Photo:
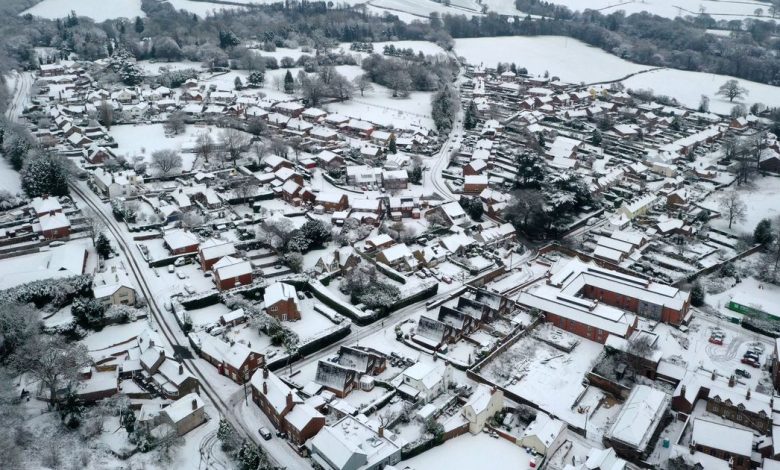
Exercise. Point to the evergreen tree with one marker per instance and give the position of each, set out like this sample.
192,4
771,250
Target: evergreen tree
127,419
763,232
697,295
289,83
248,457
470,121
139,25
255,79
596,138
391,146
45,175
238,84
103,245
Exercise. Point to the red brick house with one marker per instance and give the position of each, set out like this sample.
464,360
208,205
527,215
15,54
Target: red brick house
475,167
213,250
332,202
281,302
284,408
180,242
236,361
475,184
230,272
55,226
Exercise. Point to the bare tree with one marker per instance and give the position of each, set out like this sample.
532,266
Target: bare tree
732,206
175,124
190,220
204,146
731,89
279,148
53,361
94,224
106,114
234,142
363,83
166,161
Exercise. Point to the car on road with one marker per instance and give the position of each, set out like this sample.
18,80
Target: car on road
265,433
742,373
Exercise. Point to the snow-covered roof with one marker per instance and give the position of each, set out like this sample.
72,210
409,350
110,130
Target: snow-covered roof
54,221
427,373
215,249
351,440
640,416
396,252
276,390
480,399
545,429
183,407
229,267
45,205
279,292
68,258
301,415
721,437
178,238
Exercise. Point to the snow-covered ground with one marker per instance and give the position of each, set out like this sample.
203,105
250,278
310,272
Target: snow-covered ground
687,88
471,452
760,198
203,8
98,10
9,178
143,139
410,10
720,10
34,267
570,60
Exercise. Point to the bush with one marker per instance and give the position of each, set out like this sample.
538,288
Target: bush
89,313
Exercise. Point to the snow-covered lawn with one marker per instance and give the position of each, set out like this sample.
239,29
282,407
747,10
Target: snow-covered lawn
720,10
9,178
145,139
207,315
379,106
98,10
570,60
761,199
154,68
480,452
687,88
114,334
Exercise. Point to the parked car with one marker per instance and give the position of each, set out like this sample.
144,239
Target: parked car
751,355
717,338
265,433
742,373
171,268
447,279
751,362
180,262
181,275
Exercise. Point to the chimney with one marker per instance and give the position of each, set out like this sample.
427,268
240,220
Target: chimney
289,399
732,380
747,395
181,368
265,388
381,431
162,354
714,374
265,372
194,404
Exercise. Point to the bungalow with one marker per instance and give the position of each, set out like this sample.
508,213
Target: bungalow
359,128
314,115
230,272
381,138
475,184
336,120
289,108
96,154
323,134
360,175
281,302
379,242
181,241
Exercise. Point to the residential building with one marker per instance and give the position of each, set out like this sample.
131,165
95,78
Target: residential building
353,443
281,302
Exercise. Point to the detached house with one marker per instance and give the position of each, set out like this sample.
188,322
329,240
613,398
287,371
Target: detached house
281,302
230,272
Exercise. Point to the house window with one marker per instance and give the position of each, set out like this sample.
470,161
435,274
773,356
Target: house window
284,317
273,308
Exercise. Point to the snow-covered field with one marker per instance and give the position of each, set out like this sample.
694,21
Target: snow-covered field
761,199
687,88
570,60
472,452
421,9
725,10
144,139
203,8
98,10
